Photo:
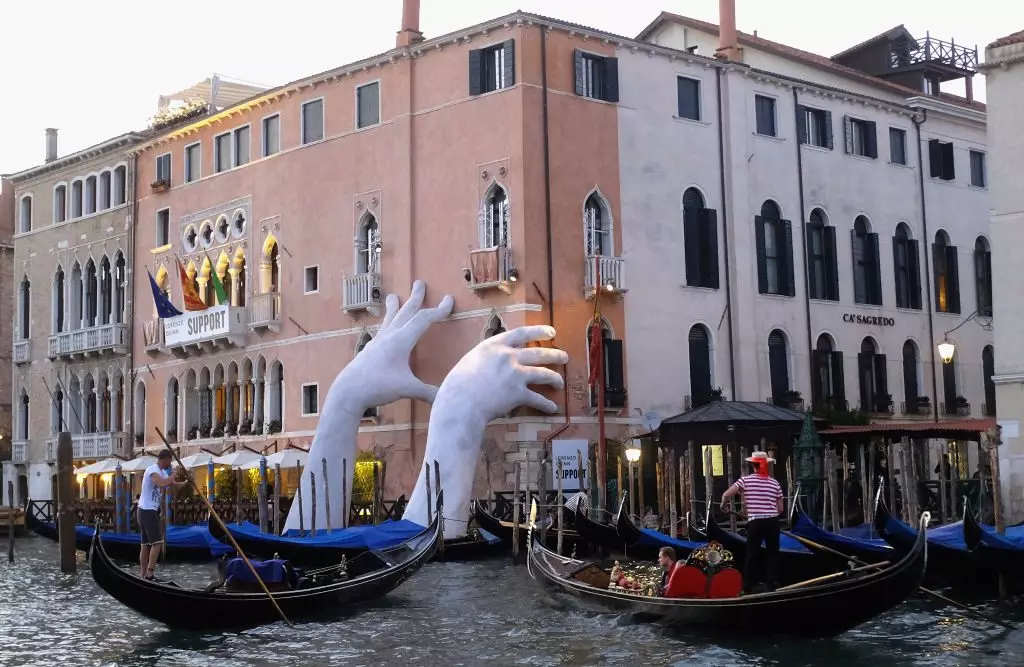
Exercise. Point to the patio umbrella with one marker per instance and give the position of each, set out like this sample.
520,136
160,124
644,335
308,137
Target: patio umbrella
198,460
100,467
287,458
238,458
138,465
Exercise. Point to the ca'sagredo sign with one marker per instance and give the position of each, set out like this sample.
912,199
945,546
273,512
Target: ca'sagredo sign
196,326
568,452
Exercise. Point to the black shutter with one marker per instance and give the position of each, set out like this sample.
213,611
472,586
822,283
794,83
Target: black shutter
831,265
934,158
613,368
581,80
948,165
476,77
838,377
611,79
700,367
881,378
914,269
896,274
910,390
812,271
848,134
949,386
709,246
874,270
828,129
801,124
819,360
787,284
762,264
870,139
859,277
691,246
510,62
938,258
864,377
952,280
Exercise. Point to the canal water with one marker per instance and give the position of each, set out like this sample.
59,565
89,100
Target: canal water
447,615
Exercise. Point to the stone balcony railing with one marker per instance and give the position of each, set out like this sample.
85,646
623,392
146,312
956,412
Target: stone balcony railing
361,291
19,451
92,340
93,445
612,278
22,352
265,311
491,268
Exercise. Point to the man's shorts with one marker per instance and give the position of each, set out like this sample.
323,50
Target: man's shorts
149,527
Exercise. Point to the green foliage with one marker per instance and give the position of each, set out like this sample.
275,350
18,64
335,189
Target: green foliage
842,417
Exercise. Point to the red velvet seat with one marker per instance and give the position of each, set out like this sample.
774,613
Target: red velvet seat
686,581
727,583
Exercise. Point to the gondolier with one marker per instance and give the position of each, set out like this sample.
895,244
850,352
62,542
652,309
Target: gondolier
762,499
156,478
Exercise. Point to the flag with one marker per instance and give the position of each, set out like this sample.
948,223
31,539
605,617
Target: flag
189,297
596,337
218,286
164,307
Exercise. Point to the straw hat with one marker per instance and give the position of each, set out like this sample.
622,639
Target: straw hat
758,457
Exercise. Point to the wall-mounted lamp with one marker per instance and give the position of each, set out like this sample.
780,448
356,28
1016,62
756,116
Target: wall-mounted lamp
513,275
609,285
467,275
946,350
633,451
377,247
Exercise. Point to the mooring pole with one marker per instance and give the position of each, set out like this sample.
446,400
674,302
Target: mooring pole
262,496
561,509
516,513
277,498
344,493
65,506
327,495
10,522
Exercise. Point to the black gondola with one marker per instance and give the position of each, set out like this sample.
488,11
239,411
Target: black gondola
645,544
504,529
380,572
994,551
824,609
601,535
869,551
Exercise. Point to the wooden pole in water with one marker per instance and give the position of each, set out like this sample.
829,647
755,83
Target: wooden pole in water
943,470
981,476
515,513
561,508
846,482
635,509
683,477
659,482
865,494
10,522
582,485
708,479
440,516
729,480
377,491
238,496
872,467
619,484
312,502
954,480
277,498
344,493
298,497
426,473
890,478
825,490
691,457
833,491
997,497
65,507
327,495
672,490
262,495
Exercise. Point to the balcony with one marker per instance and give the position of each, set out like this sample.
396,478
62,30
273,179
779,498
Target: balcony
22,351
787,402
931,51
614,399
19,451
878,407
830,404
112,338
361,292
612,276
93,446
491,268
265,311
153,335
922,407
217,327
955,409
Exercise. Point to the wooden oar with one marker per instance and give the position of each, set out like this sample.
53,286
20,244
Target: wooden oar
834,575
223,527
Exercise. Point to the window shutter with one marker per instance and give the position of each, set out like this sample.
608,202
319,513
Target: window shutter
864,368
910,389
786,254
614,367
896,273
828,129
709,247
510,62
838,377
762,263
948,167
812,272
611,79
819,360
692,247
874,270
914,269
476,77
870,139
848,134
881,377
937,259
934,158
859,279
801,124
581,81
831,264
952,279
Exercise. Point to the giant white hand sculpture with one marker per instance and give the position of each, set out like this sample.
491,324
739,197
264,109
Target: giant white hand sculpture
378,375
489,382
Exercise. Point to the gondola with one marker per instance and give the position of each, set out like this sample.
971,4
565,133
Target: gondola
867,550
645,543
504,530
824,609
1003,553
601,535
177,607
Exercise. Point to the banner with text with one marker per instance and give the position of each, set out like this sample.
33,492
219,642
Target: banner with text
568,452
197,325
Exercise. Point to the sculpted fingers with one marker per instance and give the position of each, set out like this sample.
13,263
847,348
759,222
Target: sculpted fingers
541,375
422,320
412,306
391,303
520,336
534,400
542,356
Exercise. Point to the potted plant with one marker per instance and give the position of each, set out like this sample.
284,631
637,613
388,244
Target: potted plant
883,403
257,428
204,431
963,408
716,394
217,431
162,185
274,427
193,432
792,399
245,428
172,435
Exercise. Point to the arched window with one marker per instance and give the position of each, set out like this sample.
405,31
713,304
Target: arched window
23,416
120,284
906,263
270,269
947,274
60,203
77,298
90,294
76,200
106,300
911,381
701,381
988,369
58,323
774,240
495,218
25,309
983,276
120,185
867,280
140,413
700,240
597,222
369,245
57,412
829,381
821,258
874,378
103,196
610,370
494,327
171,410
950,393
778,366
25,214
90,195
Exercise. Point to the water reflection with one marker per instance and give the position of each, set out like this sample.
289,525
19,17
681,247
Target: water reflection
449,614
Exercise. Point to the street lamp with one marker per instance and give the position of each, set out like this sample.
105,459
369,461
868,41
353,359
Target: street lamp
632,456
946,350
633,451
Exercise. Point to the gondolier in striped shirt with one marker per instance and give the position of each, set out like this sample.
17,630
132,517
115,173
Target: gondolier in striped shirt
762,499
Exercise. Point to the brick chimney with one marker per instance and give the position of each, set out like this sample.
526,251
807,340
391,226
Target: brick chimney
410,32
51,144
728,45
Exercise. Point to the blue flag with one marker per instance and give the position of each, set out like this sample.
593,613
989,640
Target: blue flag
164,307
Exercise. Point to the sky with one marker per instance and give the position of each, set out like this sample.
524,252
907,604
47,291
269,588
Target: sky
94,70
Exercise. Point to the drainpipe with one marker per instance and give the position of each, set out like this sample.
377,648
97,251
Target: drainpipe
927,296
725,233
129,296
547,175
803,235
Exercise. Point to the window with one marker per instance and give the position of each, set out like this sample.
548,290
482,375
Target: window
688,92
829,380
494,327
778,365
947,274
897,145
867,280
774,239
940,159
90,195
312,121
369,245
611,365
906,261
104,193
60,203
988,369
978,179
271,135
163,168
493,68
597,77
700,241
120,185
311,282
495,218
815,127
861,137
874,384
310,400
25,214
911,385
822,267
242,140
163,227
222,152
764,112
25,309
949,388
193,162
597,227
701,382
368,105
983,276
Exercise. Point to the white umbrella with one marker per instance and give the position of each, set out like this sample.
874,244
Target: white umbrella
139,464
287,458
238,458
200,460
100,467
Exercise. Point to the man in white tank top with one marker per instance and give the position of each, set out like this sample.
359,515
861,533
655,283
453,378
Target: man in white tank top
156,478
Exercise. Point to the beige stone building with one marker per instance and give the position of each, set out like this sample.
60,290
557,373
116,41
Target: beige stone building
6,315
71,341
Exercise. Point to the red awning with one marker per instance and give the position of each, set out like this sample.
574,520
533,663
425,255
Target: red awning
948,428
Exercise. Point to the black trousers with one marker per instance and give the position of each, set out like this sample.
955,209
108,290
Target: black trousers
758,531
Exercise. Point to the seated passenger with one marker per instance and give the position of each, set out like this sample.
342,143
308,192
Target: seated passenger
667,560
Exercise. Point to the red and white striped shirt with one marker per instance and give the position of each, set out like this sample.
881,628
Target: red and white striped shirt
761,496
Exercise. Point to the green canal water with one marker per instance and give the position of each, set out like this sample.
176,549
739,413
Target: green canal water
447,615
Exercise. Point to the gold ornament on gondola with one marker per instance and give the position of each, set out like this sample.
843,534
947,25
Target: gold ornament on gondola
710,557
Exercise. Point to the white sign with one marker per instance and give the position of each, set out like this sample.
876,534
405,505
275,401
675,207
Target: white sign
197,325
568,452
1010,429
